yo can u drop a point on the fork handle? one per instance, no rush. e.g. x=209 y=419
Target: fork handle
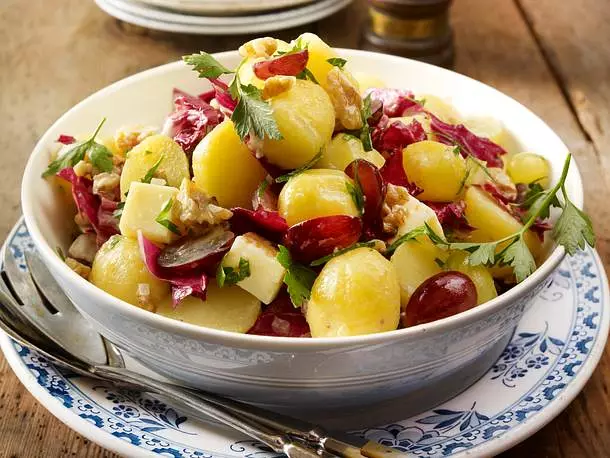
x=278 y=441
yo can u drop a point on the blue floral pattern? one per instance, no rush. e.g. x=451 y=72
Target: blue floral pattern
x=535 y=367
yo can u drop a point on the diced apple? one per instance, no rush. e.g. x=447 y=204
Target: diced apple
x=142 y=207
x=266 y=273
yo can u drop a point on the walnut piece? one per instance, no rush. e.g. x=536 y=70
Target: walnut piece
x=84 y=247
x=106 y=184
x=259 y=47
x=193 y=206
x=78 y=267
x=345 y=97
x=393 y=211
x=277 y=84
x=129 y=136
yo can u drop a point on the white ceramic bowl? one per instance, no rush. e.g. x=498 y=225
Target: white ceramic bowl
x=285 y=371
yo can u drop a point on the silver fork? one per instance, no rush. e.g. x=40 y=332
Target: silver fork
x=66 y=337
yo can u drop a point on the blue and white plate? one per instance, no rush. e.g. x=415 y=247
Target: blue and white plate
x=549 y=359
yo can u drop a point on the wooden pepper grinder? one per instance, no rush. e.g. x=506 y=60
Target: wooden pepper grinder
x=418 y=29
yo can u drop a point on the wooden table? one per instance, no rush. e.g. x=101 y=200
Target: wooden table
x=552 y=56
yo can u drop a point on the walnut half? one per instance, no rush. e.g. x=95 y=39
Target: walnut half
x=345 y=97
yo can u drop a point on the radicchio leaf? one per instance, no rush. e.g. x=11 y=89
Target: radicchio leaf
x=66 y=139
x=319 y=237
x=183 y=285
x=397 y=135
x=470 y=144
x=191 y=120
x=98 y=211
x=269 y=224
x=289 y=65
x=223 y=96
x=394 y=173
x=451 y=215
x=396 y=102
x=281 y=319
x=374 y=189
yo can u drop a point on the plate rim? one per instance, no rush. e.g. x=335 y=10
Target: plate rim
x=193 y=9
x=492 y=447
x=243 y=29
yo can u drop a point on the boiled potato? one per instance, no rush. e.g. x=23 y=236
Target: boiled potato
x=229 y=309
x=356 y=293
x=343 y=149
x=436 y=168
x=319 y=53
x=367 y=81
x=118 y=269
x=174 y=166
x=415 y=262
x=315 y=193
x=225 y=168
x=306 y=119
x=440 y=108
x=480 y=275
x=494 y=130
x=529 y=167
x=482 y=212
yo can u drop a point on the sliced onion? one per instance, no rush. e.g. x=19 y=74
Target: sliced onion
x=319 y=237
x=195 y=253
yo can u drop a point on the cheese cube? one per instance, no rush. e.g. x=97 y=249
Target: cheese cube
x=266 y=273
x=142 y=207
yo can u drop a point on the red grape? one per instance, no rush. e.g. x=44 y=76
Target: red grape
x=373 y=188
x=440 y=296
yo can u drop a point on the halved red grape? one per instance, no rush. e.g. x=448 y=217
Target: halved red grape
x=190 y=254
x=269 y=224
x=288 y=64
x=281 y=319
x=319 y=237
x=440 y=296
x=373 y=188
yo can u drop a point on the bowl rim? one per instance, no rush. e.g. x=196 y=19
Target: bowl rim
x=271 y=343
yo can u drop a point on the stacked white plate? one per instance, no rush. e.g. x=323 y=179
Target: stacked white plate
x=220 y=17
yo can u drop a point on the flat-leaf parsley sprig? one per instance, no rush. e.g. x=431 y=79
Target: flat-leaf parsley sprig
x=573 y=231
x=252 y=115
x=99 y=156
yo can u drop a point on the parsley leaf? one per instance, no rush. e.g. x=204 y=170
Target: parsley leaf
x=573 y=228
x=355 y=191
x=253 y=114
x=60 y=253
x=74 y=155
x=164 y=218
x=337 y=62
x=262 y=187
x=304 y=167
x=230 y=275
x=298 y=278
x=150 y=174
x=101 y=157
x=307 y=75
x=365 y=132
x=518 y=256
x=119 y=210
x=325 y=259
x=411 y=235
x=206 y=65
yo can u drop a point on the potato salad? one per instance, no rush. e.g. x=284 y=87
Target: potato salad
x=296 y=198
